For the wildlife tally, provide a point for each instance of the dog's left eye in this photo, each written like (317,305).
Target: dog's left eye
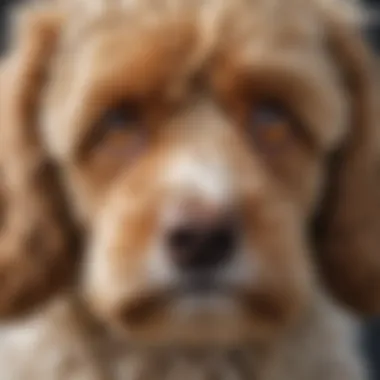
(269,124)
(120,117)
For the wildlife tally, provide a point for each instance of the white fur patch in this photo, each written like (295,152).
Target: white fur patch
(188,174)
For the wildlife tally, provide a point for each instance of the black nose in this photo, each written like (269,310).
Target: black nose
(196,247)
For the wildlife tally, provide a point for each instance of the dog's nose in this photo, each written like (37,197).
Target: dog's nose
(202,243)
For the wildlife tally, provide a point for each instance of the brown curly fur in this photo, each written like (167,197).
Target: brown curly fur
(349,248)
(60,199)
(38,242)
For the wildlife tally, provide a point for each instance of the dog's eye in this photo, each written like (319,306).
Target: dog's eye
(269,124)
(119,134)
(120,117)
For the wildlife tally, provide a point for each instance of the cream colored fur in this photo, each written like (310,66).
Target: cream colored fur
(64,342)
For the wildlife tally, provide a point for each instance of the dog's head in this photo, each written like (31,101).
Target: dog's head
(208,153)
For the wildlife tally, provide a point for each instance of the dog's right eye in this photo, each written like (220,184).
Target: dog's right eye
(117,135)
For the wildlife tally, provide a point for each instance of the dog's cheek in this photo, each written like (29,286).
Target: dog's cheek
(276,243)
(122,240)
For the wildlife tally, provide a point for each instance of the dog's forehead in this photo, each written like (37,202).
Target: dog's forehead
(214,23)
(176,38)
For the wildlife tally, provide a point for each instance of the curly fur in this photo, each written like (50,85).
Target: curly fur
(69,213)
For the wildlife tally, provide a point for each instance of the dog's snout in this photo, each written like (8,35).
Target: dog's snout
(202,243)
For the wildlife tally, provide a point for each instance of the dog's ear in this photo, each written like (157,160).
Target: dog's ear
(38,241)
(348,228)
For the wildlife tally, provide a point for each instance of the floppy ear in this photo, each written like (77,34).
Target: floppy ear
(38,242)
(348,237)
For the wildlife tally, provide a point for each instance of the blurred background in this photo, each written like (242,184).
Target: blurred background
(371,332)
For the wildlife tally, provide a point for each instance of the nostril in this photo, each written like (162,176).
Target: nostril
(197,247)
(221,241)
(183,239)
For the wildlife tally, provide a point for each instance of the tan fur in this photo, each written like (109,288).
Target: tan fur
(63,342)
(83,213)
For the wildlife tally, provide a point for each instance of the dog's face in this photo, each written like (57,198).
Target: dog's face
(193,142)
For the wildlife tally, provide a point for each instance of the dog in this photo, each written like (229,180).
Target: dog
(188,190)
